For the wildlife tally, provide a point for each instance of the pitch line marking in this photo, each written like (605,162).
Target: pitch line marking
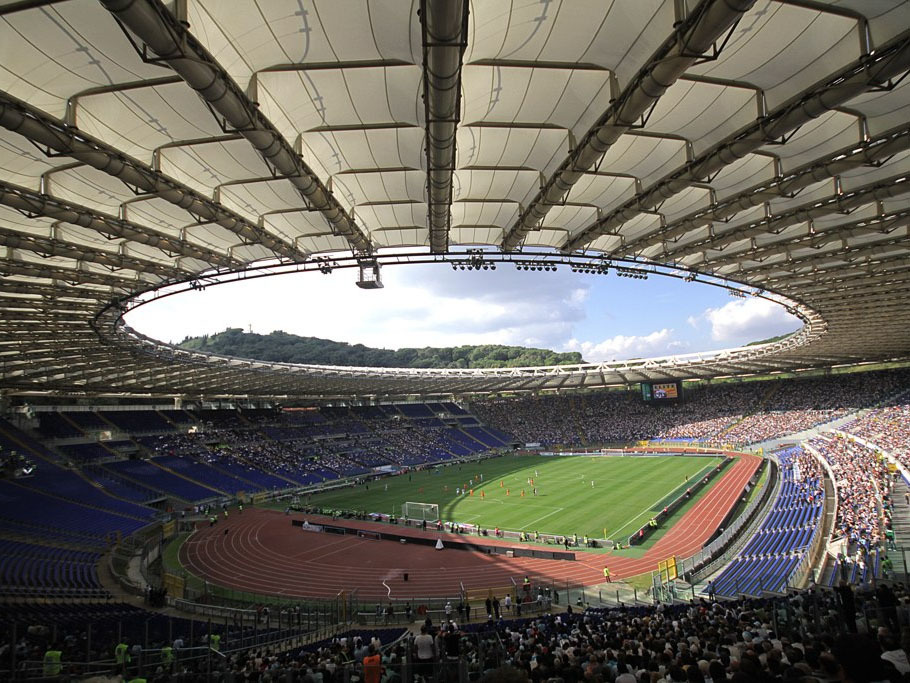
(632,519)
(553,512)
(318,558)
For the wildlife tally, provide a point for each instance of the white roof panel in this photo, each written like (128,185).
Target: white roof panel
(566,98)
(312,100)
(339,151)
(385,186)
(819,137)
(702,112)
(89,187)
(384,216)
(783,48)
(484,213)
(21,162)
(206,166)
(492,185)
(537,148)
(48,54)
(645,157)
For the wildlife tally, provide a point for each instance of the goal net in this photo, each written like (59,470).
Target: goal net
(421,511)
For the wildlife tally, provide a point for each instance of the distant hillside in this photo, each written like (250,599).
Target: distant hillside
(281,347)
(770,340)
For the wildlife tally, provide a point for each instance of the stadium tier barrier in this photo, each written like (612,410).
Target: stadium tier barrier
(456,542)
(457,528)
(199,646)
(796,618)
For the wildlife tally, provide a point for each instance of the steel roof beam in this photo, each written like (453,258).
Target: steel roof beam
(793,284)
(44,307)
(85,334)
(882,225)
(866,153)
(866,73)
(871,285)
(690,39)
(877,256)
(30,202)
(71,275)
(51,292)
(846,281)
(336,66)
(51,247)
(445,34)
(52,317)
(46,131)
(170,39)
(796,267)
(838,203)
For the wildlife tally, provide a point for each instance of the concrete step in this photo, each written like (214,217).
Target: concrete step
(900,521)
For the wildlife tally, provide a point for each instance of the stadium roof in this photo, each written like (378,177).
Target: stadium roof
(144,144)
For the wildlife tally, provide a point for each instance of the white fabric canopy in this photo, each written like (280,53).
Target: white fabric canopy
(767,141)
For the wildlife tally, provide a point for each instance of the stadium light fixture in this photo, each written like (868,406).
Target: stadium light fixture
(369,274)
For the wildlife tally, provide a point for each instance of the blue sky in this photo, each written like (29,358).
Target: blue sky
(603,317)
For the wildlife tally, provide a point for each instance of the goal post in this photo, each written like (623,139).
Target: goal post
(428,512)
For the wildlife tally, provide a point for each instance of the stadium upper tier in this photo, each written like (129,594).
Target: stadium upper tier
(146,144)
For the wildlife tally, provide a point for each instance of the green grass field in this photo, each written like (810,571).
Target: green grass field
(627,491)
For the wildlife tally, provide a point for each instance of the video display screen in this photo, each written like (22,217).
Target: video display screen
(660,391)
(664,390)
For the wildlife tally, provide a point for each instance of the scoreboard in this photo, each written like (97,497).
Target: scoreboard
(661,391)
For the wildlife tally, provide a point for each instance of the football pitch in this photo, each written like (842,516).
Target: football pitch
(626,492)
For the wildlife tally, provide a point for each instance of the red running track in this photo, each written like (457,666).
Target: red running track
(262,553)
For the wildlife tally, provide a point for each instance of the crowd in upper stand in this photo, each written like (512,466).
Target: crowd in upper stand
(742,413)
(888,427)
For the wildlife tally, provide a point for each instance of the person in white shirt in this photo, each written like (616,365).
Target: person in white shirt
(894,654)
(424,652)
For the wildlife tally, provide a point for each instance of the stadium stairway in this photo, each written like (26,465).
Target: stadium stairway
(86,503)
(27,445)
(253,485)
(189,479)
(756,408)
(474,439)
(70,421)
(577,408)
(168,420)
(901,525)
(273,473)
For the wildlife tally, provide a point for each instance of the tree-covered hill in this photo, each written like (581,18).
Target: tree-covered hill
(282,347)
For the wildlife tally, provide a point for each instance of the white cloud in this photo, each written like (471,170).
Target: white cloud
(623,347)
(419,306)
(746,320)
